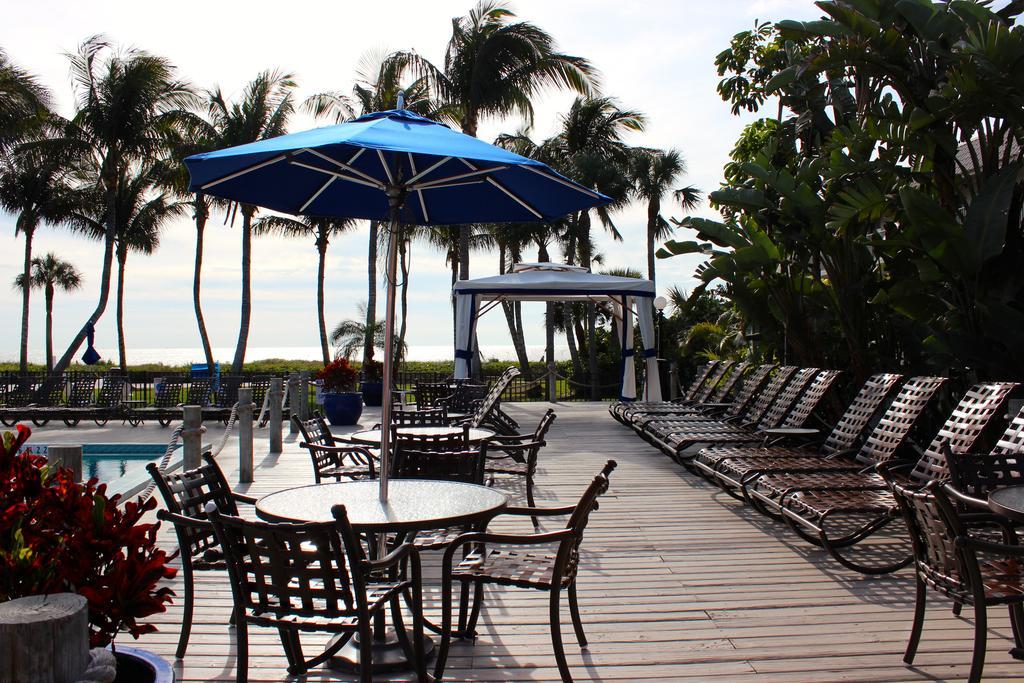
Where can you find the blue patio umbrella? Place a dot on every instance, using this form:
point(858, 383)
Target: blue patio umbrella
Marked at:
point(395, 167)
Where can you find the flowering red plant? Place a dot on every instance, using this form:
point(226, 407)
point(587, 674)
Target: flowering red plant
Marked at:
point(338, 375)
point(60, 535)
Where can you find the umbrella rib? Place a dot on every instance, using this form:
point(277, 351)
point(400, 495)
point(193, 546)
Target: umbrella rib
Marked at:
point(342, 176)
point(419, 193)
point(427, 171)
point(254, 167)
point(460, 176)
point(387, 169)
point(575, 186)
point(515, 198)
point(317, 193)
point(350, 169)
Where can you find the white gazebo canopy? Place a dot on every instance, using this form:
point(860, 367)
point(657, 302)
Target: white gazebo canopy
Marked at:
point(559, 282)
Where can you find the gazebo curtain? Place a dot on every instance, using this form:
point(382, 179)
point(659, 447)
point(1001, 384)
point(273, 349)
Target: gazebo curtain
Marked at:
point(466, 312)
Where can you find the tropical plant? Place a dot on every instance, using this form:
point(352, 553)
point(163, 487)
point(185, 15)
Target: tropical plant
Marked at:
point(49, 274)
point(24, 104)
point(262, 112)
point(128, 104)
point(34, 187)
point(59, 535)
point(876, 221)
point(654, 173)
point(141, 214)
point(320, 230)
point(348, 335)
point(338, 376)
point(495, 65)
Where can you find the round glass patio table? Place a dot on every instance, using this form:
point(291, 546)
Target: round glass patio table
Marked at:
point(371, 437)
point(412, 505)
point(1008, 502)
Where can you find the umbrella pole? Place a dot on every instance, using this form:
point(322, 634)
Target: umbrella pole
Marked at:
point(389, 352)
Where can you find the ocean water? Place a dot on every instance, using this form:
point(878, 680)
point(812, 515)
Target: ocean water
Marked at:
point(181, 356)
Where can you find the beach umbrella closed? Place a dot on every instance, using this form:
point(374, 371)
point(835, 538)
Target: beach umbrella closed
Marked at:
point(396, 167)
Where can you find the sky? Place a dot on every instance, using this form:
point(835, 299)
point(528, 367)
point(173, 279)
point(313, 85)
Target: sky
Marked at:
point(656, 57)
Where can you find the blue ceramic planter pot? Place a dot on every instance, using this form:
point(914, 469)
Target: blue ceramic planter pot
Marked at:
point(373, 393)
point(343, 408)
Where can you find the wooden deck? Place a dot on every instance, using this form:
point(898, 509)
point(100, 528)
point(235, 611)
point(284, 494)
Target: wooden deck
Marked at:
point(679, 582)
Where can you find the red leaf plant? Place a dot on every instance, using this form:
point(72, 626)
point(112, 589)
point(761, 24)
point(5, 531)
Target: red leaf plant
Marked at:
point(338, 375)
point(59, 535)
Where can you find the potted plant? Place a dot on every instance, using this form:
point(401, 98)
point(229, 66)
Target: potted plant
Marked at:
point(59, 535)
point(372, 385)
point(342, 403)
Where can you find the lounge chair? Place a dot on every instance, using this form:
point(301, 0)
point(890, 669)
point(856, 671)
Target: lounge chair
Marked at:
point(790, 411)
point(166, 405)
point(705, 375)
point(732, 467)
point(815, 501)
point(80, 398)
point(488, 412)
point(671, 435)
point(109, 403)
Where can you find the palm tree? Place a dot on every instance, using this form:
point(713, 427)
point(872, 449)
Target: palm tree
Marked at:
point(141, 215)
point(321, 230)
point(128, 103)
point(380, 76)
point(592, 151)
point(50, 273)
point(261, 113)
point(24, 103)
point(493, 66)
point(654, 172)
point(348, 335)
point(34, 187)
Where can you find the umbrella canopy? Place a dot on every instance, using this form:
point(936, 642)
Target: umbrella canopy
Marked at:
point(392, 166)
point(345, 170)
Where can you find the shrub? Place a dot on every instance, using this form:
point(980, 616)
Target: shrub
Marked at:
point(58, 535)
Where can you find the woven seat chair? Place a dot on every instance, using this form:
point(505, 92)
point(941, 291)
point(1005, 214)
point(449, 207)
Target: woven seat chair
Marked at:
point(672, 436)
point(199, 392)
point(44, 400)
point(706, 377)
point(546, 562)
point(811, 507)
point(517, 456)
point(316, 578)
point(185, 496)
point(446, 457)
point(421, 417)
point(333, 457)
point(109, 399)
point(431, 394)
point(488, 412)
point(166, 403)
point(734, 467)
point(80, 398)
point(790, 410)
point(952, 559)
point(756, 392)
point(718, 384)
point(972, 476)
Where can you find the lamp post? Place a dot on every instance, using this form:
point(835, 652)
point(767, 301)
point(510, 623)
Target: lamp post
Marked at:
point(660, 303)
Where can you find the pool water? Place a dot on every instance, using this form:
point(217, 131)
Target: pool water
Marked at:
point(110, 461)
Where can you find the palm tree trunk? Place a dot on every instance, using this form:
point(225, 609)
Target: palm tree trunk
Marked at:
point(371, 294)
point(591, 309)
point(122, 258)
point(202, 212)
point(243, 325)
point(651, 228)
point(322, 251)
point(49, 327)
point(26, 281)
point(101, 304)
point(399, 350)
point(567, 318)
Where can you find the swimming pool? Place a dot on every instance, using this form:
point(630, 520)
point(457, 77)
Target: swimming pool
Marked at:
point(110, 461)
point(115, 462)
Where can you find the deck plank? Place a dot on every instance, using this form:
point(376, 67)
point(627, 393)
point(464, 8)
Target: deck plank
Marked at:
point(679, 582)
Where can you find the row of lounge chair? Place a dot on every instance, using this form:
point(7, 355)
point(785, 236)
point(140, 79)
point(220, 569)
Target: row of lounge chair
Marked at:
point(109, 397)
point(828, 488)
